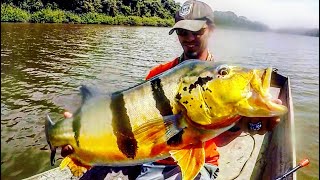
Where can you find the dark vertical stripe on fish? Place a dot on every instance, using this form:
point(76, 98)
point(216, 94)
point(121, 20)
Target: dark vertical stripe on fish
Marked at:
point(162, 102)
point(121, 125)
point(76, 125)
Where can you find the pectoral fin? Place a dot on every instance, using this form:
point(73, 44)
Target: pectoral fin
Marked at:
point(158, 130)
point(76, 168)
point(190, 159)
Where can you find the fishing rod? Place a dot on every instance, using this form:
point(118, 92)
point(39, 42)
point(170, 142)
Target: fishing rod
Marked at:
point(302, 163)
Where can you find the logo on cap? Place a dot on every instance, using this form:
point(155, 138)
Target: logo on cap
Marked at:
point(185, 9)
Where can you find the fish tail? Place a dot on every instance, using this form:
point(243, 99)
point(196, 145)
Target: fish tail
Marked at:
point(48, 125)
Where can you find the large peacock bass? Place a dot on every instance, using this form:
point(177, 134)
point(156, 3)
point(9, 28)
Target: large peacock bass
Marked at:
point(172, 114)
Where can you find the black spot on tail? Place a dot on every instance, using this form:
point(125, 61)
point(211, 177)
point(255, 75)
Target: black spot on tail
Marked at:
point(162, 102)
point(127, 144)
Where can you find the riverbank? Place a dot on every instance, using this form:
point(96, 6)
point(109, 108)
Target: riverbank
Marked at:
point(14, 14)
point(11, 13)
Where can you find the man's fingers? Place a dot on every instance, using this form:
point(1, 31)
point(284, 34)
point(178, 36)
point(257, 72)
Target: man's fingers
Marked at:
point(67, 114)
point(66, 150)
point(277, 101)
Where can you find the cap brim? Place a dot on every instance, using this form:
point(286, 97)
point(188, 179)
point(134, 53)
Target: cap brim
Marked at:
point(191, 25)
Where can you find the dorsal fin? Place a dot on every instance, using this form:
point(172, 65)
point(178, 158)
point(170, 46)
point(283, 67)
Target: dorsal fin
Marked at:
point(87, 93)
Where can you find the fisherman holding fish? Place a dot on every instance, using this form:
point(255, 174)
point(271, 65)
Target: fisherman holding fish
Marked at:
point(194, 24)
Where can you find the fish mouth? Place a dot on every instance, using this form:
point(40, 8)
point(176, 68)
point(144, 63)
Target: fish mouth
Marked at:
point(259, 102)
point(48, 125)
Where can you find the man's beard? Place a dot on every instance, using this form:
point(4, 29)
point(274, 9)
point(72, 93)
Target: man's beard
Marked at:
point(192, 54)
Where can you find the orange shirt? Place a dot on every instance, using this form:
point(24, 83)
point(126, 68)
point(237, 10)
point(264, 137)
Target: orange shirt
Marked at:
point(212, 155)
point(162, 67)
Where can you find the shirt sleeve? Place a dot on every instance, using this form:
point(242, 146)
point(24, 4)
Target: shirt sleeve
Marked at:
point(161, 68)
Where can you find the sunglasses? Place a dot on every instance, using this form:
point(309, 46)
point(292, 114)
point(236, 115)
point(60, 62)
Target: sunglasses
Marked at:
point(184, 32)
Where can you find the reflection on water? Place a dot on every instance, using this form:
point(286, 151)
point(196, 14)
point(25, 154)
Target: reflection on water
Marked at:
point(43, 65)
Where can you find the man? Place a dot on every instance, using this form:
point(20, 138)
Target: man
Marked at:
point(194, 26)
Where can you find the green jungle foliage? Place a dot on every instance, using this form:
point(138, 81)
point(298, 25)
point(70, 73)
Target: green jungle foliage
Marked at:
point(111, 12)
point(12, 14)
point(164, 9)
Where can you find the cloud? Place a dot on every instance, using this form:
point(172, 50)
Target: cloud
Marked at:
point(274, 13)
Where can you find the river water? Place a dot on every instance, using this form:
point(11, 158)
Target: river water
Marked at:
point(43, 65)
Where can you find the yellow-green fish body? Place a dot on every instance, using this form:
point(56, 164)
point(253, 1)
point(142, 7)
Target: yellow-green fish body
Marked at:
point(172, 114)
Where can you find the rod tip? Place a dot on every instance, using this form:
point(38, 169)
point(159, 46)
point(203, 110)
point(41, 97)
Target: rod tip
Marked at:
point(304, 162)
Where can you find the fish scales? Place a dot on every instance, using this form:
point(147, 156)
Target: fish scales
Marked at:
point(127, 112)
point(172, 114)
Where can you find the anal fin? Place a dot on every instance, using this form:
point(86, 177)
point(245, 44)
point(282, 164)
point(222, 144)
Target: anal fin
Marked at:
point(190, 159)
point(75, 166)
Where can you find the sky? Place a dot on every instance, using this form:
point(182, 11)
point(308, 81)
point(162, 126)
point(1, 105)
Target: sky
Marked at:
point(274, 13)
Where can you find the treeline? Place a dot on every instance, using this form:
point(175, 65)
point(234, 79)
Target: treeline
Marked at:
point(112, 12)
point(48, 15)
point(143, 8)
point(299, 31)
point(230, 19)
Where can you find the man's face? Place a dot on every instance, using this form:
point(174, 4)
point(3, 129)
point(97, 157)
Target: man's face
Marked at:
point(194, 43)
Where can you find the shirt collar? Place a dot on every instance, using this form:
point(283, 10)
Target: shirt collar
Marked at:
point(209, 57)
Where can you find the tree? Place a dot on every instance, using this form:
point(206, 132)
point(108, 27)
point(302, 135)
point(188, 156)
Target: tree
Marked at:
point(31, 5)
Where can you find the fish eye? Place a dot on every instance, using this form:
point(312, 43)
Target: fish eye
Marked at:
point(223, 70)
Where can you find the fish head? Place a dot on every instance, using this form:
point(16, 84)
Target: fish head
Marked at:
point(224, 92)
point(246, 91)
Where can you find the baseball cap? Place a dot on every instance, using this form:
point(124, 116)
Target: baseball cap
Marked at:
point(192, 16)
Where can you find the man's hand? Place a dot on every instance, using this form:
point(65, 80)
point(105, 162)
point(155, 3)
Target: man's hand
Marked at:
point(68, 149)
point(67, 114)
point(267, 123)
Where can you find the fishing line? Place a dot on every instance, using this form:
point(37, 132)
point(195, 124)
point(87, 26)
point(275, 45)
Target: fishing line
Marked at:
point(254, 145)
